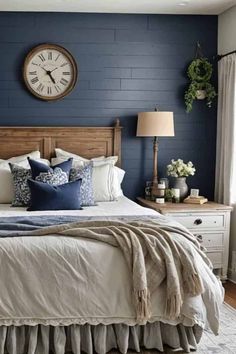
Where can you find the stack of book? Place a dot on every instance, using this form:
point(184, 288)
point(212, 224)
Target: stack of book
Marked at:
point(195, 200)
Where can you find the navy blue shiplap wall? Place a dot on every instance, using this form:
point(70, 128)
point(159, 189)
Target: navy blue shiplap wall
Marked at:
point(127, 64)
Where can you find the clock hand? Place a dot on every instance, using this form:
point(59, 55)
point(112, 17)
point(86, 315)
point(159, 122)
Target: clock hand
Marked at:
point(43, 68)
point(47, 71)
point(49, 74)
point(53, 70)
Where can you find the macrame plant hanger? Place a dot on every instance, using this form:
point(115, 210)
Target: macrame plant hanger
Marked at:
point(199, 52)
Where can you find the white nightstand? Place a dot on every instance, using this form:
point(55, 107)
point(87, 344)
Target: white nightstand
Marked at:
point(209, 222)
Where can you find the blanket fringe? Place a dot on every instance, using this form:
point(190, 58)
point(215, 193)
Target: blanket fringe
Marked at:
point(173, 306)
point(193, 284)
point(142, 300)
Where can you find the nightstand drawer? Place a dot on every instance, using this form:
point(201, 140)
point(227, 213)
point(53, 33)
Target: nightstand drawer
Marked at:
point(201, 221)
point(215, 258)
point(211, 240)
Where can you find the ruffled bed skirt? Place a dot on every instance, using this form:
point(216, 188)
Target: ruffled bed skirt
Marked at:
point(74, 339)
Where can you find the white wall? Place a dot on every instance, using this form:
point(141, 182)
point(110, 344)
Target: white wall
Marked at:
point(227, 31)
point(227, 43)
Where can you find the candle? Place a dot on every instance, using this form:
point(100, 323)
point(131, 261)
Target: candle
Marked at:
point(176, 195)
point(194, 193)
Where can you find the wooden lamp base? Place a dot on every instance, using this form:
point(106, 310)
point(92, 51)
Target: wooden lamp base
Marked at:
point(155, 173)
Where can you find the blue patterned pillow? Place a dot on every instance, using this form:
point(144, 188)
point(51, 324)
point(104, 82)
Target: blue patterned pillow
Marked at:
point(20, 177)
point(86, 189)
point(20, 182)
point(55, 177)
point(47, 197)
point(38, 167)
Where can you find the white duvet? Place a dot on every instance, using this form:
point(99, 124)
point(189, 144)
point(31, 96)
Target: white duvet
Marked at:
point(59, 280)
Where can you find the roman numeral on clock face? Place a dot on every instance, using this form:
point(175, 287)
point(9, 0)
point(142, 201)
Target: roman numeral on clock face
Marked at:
point(41, 57)
point(66, 73)
point(49, 55)
point(33, 73)
point(64, 81)
point(57, 88)
point(64, 64)
point(40, 87)
point(34, 80)
point(49, 90)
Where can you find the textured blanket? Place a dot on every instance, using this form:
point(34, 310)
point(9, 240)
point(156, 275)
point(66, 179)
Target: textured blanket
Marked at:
point(152, 255)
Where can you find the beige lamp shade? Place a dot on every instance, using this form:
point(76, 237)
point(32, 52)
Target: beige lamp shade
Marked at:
point(155, 124)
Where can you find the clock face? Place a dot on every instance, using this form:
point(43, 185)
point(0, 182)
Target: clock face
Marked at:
point(50, 72)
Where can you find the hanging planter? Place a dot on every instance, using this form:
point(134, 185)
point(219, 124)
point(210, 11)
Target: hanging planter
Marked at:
point(200, 88)
point(201, 94)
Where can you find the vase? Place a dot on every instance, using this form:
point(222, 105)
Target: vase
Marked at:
point(180, 183)
point(200, 94)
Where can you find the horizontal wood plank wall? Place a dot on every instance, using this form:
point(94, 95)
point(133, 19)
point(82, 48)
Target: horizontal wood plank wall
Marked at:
point(127, 64)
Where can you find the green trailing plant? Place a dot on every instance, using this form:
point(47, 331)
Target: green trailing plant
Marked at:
point(199, 73)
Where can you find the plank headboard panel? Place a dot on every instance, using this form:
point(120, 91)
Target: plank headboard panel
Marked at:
point(85, 141)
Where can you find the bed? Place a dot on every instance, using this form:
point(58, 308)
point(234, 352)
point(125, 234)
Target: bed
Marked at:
point(70, 294)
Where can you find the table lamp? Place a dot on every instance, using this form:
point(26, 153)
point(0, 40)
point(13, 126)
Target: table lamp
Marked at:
point(155, 124)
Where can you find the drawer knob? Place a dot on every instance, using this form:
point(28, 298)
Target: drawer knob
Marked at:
point(198, 222)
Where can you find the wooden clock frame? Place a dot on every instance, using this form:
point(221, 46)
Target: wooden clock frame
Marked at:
point(63, 51)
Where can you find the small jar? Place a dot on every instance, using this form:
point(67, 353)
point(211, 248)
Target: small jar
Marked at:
point(164, 181)
point(160, 190)
point(176, 195)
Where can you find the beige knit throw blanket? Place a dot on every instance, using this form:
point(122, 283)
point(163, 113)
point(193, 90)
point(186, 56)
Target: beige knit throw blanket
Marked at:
point(153, 256)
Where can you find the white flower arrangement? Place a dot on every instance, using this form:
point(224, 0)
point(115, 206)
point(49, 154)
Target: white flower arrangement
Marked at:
point(178, 168)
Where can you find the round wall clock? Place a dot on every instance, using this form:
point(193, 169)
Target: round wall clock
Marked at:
point(50, 72)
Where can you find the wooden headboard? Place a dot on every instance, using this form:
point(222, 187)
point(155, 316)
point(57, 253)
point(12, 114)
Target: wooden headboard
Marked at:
point(85, 141)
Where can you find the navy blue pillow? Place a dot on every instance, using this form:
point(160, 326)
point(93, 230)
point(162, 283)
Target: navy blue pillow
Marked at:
point(38, 167)
point(47, 197)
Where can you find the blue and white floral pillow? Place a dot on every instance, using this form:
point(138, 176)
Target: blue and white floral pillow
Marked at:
point(86, 189)
point(20, 182)
point(20, 177)
point(54, 177)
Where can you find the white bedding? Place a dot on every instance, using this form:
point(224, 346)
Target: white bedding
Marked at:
point(60, 280)
point(123, 206)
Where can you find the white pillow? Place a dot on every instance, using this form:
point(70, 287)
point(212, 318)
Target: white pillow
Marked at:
point(106, 178)
point(6, 181)
point(75, 163)
point(102, 178)
point(6, 189)
point(17, 159)
point(96, 160)
point(65, 154)
point(106, 185)
point(120, 176)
